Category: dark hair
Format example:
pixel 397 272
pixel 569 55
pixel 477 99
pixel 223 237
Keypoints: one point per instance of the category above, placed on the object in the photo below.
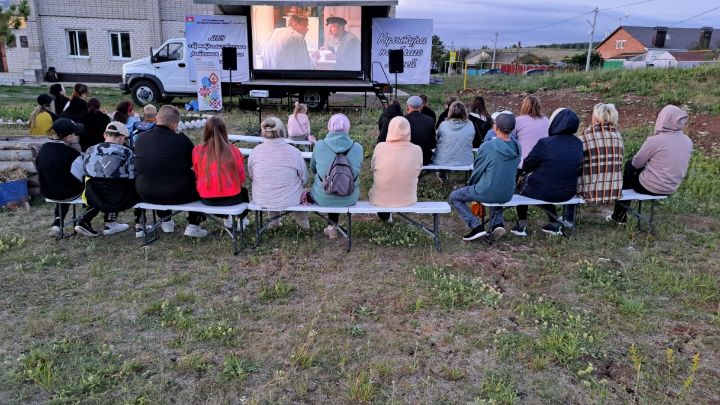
pixel 79 90
pixel 423 97
pixel 93 105
pixel 477 105
pixel 122 111
pixel 450 100
pixel 55 89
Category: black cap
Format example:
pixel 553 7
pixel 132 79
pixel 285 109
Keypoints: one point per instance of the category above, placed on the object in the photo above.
pixel 44 99
pixel 65 126
pixel 336 20
pixel 506 122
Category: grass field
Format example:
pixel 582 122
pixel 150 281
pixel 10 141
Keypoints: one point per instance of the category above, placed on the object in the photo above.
pixel 611 316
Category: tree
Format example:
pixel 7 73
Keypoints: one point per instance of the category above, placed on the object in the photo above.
pixel 462 53
pixel 580 58
pixel 438 52
pixel 12 19
pixel 532 59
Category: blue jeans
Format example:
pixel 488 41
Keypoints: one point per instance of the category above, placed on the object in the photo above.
pixel 459 199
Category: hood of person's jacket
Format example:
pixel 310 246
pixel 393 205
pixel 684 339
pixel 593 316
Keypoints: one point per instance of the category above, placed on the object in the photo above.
pixel 338 141
pixel 670 119
pixel 393 110
pixel 506 150
pixel 399 130
pixel 456 124
pixel 563 121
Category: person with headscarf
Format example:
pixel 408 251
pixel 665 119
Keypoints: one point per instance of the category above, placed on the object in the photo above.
pixel 551 172
pixel 396 165
pixel 660 165
pixel 278 173
pixel 336 142
pixel 42 117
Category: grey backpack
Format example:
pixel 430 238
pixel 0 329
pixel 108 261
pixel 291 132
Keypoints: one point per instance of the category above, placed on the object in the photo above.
pixel 340 180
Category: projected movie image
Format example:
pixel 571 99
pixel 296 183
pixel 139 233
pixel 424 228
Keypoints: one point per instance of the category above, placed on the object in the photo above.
pixel 306 38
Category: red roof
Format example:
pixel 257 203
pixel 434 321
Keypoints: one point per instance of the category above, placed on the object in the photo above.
pixel 693 56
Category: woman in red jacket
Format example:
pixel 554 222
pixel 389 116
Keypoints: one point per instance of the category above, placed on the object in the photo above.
pixel 219 168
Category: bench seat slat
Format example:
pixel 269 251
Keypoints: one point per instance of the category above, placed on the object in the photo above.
pixel 632 195
pixel 422 207
pixel 196 206
pixel 302 208
pixel 467 168
pixel 259 139
pixel 246 152
pixel 522 200
pixel 75 201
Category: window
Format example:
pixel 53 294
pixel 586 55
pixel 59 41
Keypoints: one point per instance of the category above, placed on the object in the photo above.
pixel 171 51
pixel 78 44
pixel 120 45
pixel 23 41
pixel 620 44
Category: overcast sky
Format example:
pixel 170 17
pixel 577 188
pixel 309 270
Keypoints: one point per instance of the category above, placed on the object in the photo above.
pixel 472 23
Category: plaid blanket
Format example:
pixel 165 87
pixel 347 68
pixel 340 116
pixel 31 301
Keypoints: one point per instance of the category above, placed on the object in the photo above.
pixel 602 170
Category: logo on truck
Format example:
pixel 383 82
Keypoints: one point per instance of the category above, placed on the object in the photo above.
pixel 216 38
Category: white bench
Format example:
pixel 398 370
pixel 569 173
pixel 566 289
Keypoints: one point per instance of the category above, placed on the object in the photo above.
pixel 631 195
pixel 212 211
pixel 246 152
pixel 424 207
pixel 259 139
pixel 467 168
pixel 312 208
pixel 73 204
pixel 523 200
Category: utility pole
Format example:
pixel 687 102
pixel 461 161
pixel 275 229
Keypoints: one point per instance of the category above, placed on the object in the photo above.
pixel 517 59
pixel 494 49
pixel 592 37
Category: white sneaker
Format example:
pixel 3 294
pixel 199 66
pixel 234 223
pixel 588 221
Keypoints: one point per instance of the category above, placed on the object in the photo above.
pixel 112 228
pixel 227 222
pixel 168 226
pixel 246 222
pixel 139 232
pixel 55 230
pixel 195 231
pixel 390 219
pixel 331 231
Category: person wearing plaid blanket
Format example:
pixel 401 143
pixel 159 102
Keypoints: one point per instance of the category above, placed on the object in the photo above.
pixel 603 153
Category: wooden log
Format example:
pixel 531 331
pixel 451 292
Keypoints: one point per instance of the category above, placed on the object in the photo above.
pixel 9 145
pixel 27 166
pixel 22 155
pixel 24 138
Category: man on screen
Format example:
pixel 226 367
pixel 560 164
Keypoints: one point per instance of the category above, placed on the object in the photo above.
pixel 346 45
pixel 286 48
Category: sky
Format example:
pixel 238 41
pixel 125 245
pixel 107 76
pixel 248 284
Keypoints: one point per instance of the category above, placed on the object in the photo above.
pixel 473 23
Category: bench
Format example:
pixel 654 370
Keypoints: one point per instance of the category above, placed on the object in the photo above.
pixel 197 206
pixel 523 200
pixel 259 139
pixel 246 152
pixel 630 195
pixel 423 207
pixel 73 203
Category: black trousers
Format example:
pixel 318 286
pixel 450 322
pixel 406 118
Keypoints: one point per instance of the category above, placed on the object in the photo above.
pixel 631 179
pixel 227 201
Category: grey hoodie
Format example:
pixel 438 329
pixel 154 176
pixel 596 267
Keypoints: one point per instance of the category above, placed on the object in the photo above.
pixel 454 143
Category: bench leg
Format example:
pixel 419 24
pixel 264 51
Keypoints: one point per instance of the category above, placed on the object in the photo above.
pixel 640 215
pixel 349 232
pixel 651 220
pixel 258 226
pixel 151 235
pixel 433 233
pixel 436 231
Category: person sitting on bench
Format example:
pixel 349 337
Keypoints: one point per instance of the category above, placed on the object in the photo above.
pixel 660 165
pixel 492 180
pixel 163 164
pixel 219 169
pixel 553 167
pixel 603 154
pixel 396 165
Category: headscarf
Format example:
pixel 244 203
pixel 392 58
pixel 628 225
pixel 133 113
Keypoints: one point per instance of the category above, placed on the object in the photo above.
pixel 670 119
pixel 339 123
pixel 399 130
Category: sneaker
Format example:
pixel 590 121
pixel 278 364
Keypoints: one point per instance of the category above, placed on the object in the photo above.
pixel 227 222
pixel 518 230
pixel 390 219
pixel 331 231
pixel 610 218
pixel 55 228
pixel 168 226
pixel 195 231
pixel 86 229
pixel 552 229
pixel 112 228
pixel 139 232
pixel 498 232
pixel 477 232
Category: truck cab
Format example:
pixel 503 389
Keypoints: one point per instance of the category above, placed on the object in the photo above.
pixel 161 76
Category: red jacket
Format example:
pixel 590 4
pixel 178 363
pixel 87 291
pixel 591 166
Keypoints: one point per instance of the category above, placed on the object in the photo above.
pixel 220 184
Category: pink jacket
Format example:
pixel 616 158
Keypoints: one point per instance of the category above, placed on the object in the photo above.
pixel 299 126
pixel 396 165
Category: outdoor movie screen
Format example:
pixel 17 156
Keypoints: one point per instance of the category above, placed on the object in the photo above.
pixel 306 38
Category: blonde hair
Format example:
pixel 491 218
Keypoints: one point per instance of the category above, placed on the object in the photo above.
pixel 300 108
pixel 272 128
pixel 531 106
pixel 605 114
pixel 457 111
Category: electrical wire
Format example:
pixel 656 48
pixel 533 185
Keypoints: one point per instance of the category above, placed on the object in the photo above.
pixel 695 16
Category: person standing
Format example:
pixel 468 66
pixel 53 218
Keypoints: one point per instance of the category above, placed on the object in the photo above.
pixel 346 45
pixel 422 131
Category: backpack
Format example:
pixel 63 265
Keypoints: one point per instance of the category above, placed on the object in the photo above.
pixel 340 180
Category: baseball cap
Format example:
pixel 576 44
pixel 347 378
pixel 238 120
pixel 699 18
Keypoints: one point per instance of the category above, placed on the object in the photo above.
pixel 65 126
pixel 117 128
pixel 415 102
pixel 44 99
pixel 505 121
pixel 336 20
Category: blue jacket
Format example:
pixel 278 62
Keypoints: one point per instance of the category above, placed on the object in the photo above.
pixel 454 143
pixel 323 155
pixel 493 177
pixel 555 163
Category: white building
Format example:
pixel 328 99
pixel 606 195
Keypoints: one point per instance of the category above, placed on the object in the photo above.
pixel 90 40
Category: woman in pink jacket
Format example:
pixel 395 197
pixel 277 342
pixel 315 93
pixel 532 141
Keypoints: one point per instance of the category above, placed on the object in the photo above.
pixel 396 165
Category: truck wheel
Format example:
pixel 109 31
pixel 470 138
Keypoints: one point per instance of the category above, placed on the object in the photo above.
pixel 314 99
pixel 145 92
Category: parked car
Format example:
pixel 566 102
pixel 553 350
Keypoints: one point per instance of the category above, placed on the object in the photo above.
pixel 536 72
pixel 495 71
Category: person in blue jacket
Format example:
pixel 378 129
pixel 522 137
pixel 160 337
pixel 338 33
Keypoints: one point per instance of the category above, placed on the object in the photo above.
pixel 551 172
pixel 492 180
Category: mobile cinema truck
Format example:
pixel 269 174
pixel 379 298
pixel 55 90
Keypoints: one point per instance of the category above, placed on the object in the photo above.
pixel 304 49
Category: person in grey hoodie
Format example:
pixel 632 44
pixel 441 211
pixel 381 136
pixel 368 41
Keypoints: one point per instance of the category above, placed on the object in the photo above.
pixel 455 138
pixel 492 180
